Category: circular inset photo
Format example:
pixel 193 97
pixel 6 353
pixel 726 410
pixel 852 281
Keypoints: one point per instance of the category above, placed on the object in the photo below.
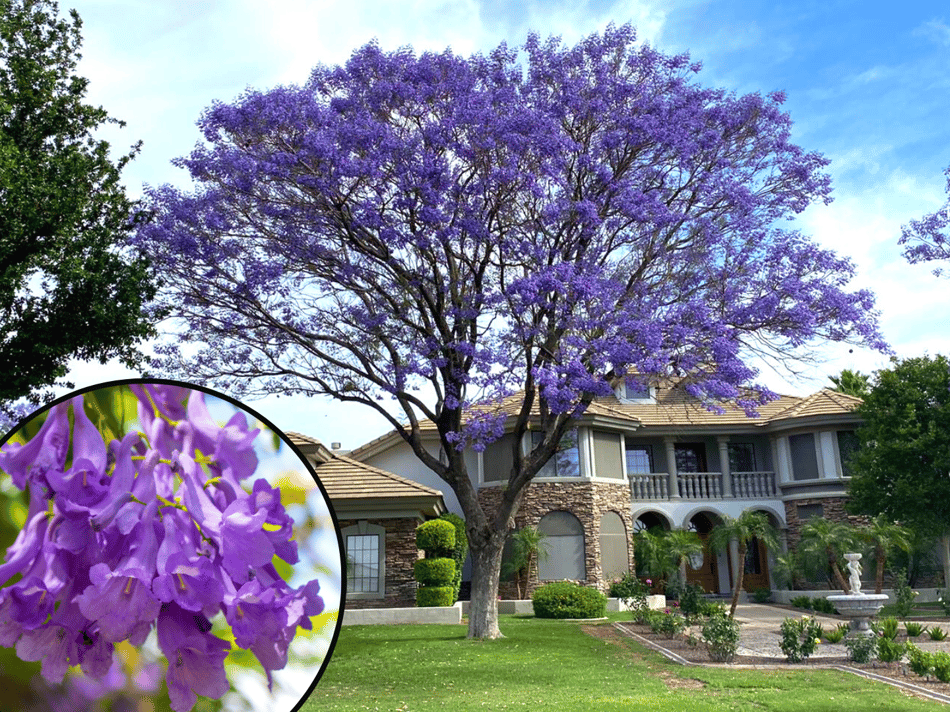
pixel 166 548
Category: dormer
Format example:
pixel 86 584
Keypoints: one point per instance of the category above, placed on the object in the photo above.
pixel 635 392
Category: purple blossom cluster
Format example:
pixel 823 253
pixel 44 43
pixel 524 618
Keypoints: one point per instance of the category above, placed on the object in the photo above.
pixel 150 531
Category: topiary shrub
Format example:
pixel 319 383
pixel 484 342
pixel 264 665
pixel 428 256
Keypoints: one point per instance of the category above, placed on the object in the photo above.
pixel 461 548
pixel 429 596
pixel 435 572
pixel 436 538
pixel 568 600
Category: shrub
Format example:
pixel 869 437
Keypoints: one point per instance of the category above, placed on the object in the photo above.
pixel 943 597
pixel 761 595
pixel 941 665
pixel 919 661
pixel 691 599
pixel 436 537
pixel 802 602
pixel 721 636
pixel 461 548
pixel 914 629
pixel 712 608
pixel 837 634
pixel 937 633
pixel 435 572
pixel 429 596
pixel 823 605
pixel 887 627
pixel 889 650
pixel 668 624
pixel 903 594
pixel 568 600
pixel 861 648
pixel 799 638
pixel 631 590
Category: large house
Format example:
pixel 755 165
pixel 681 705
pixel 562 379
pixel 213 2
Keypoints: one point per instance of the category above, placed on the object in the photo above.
pixel 650 457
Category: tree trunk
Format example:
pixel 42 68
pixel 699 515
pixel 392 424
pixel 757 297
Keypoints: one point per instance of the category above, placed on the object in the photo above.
pixel 740 574
pixel 945 545
pixel 879 576
pixel 839 577
pixel 486 572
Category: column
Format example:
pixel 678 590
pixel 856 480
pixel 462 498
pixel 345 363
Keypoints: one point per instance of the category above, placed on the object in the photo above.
pixel 671 468
pixel 723 441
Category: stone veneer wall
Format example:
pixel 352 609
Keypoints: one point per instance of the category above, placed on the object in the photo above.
pixel 587 501
pixel 401 553
pixel 833 508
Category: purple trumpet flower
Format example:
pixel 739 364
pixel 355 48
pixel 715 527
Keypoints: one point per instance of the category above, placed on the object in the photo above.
pixel 195 658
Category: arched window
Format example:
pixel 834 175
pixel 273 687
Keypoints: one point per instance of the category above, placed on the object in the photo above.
pixel 614 561
pixel 564 543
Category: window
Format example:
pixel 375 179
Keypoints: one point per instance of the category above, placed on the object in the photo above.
pixel 564 543
pixel 613 546
pixel 365 557
pixel 804 457
pixel 690 457
pixel 848 444
pixel 566 460
pixel 635 392
pixel 741 457
pixel 639 459
pixel 810 511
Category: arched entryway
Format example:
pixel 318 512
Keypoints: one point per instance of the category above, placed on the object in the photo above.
pixel 564 546
pixel 756 565
pixel 703 569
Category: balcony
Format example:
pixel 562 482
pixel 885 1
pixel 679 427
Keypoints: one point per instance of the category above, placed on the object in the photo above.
pixel 703 486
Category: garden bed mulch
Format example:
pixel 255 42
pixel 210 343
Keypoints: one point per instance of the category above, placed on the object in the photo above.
pixel 684 653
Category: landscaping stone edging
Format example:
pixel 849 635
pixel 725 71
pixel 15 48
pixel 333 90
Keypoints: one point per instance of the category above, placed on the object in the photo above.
pixel 670 655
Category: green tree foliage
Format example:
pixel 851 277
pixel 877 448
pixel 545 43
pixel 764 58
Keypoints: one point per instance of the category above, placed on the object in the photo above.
pixel 901 469
pixel 66 288
pixel 885 537
pixel 823 538
pixel 461 548
pixel 852 383
pixel 527 549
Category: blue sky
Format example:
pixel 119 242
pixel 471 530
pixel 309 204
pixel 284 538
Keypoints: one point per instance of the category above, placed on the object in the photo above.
pixel 868 85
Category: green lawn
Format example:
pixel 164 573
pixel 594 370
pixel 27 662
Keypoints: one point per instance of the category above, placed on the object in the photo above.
pixel 549 665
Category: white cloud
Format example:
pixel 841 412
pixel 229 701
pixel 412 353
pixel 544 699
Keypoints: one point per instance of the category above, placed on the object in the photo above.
pixel 936 30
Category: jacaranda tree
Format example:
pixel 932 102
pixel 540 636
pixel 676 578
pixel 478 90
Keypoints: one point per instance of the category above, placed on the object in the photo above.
pixel 928 239
pixel 418 233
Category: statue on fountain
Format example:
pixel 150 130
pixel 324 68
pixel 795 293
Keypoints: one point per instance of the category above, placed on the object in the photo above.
pixel 854 573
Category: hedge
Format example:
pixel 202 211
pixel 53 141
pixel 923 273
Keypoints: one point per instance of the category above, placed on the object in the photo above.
pixel 568 600
pixel 429 596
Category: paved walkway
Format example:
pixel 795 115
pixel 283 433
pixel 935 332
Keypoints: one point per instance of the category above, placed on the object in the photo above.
pixel 760 632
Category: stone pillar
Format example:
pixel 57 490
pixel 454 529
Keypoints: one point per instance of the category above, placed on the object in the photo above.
pixel 671 468
pixel 724 465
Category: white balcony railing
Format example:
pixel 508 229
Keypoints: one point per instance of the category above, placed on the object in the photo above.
pixel 703 485
pixel 754 484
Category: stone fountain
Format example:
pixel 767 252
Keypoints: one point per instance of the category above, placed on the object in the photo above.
pixel 858 607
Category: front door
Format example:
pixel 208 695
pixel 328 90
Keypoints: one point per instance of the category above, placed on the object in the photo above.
pixel 704 571
pixel 756 574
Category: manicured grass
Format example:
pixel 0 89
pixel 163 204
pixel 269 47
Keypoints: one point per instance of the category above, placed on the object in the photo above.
pixel 551 665
pixel 929 610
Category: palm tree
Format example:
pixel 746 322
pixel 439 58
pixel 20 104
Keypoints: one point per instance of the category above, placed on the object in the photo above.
pixel 823 537
pixel 748 526
pixel 885 537
pixel 527 549
pixel 678 546
pixel 852 383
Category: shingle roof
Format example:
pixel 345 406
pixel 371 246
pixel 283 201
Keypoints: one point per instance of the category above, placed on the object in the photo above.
pixel 673 407
pixel 347 479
